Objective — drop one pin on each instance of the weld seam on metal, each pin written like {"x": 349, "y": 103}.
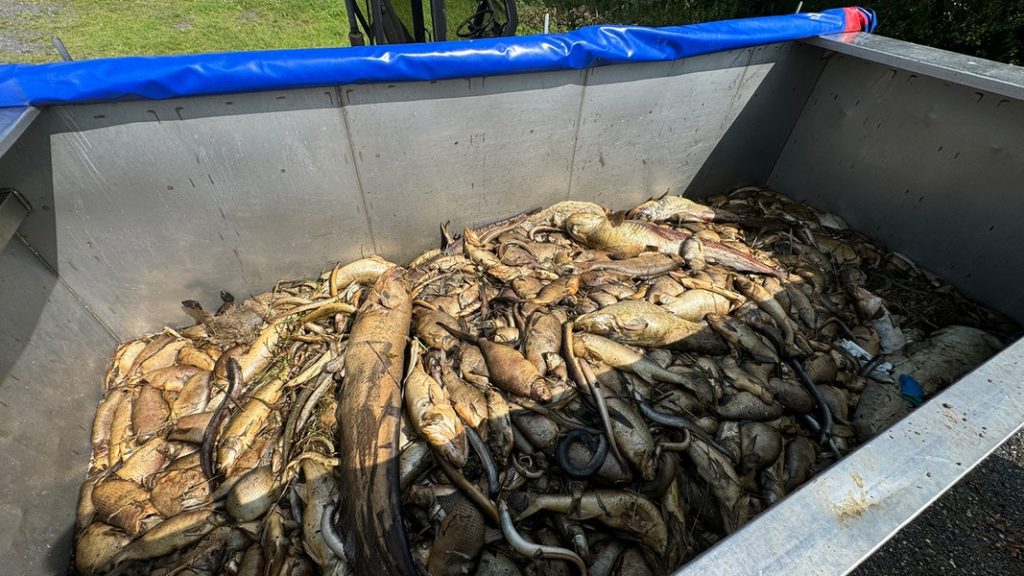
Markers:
{"x": 355, "y": 167}
{"x": 81, "y": 302}
{"x": 796, "y": 120}
{"x": 576, "y": 136}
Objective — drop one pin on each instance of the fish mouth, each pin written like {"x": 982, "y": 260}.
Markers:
{"x": 448, "y": 448}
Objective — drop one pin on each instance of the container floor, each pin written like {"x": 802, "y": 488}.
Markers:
{"x": 977, "y": 528}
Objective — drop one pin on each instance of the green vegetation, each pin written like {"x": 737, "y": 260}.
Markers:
{"x": 992, "y": 29}
{"x": 98, "y": 28}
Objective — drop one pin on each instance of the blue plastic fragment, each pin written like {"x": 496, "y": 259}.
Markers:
{"x": 910, "y": 390}
{"x": 161, "y": 77}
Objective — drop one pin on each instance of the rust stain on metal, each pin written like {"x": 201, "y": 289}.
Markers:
{"x": 951, "y": 419}
{"x": 854, "y": 504}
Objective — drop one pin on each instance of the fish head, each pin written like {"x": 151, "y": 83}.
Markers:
{"x": 645, "y": 211}
{"x": 455, "y": 452}
{"x": 540, "y": 390}
{"x": 446, "y": 434}
{"x": 582, "y": 225}
{"x": 598, "y": 322}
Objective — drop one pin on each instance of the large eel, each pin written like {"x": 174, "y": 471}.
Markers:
{"x": 369, "y": 416}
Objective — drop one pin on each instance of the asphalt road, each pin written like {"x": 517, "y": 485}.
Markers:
{"x": 977, "y": 528}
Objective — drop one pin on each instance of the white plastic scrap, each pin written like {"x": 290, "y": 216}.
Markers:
{"x": 881, "y": 372}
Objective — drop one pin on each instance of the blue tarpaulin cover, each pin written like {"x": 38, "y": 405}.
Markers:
{"x": 160, "y": 77}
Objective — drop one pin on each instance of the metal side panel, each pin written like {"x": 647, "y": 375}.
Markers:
{"x": 157, "y": 202}
{"x": 469, "y": 151}
{"x": 26, "y": 167}
{"x": 840, "y": 517}
{"x": 934, "y": 170}
{"x": 13, "y": 210}
{"x": 14, "y": 122}
{"x": 961, "y": 69}
{"x": 699, "y": 125}
{"x": 52, "y": 358}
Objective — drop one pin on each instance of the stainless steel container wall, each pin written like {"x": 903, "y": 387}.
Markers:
{"x": 138, "y": 205}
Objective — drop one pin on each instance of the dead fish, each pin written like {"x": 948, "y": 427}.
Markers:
{"x": 557, "y": 290}
{"x": 539, "y": 430}
{"x": 243, "y": 427}
{"x": 170, "y": 378}
{"x": 124, "y": 504}
{"x": 368, "y": 449}
{"x": 640, "y": 323}
{"x": 671, "y": 207}
{"x": 768, "y": 302}
{"x": 694, "y": 305}
{"x": 96, "y": 546}
{"x": 192, "y": 356}
{"x": 509, "y": 369}
{"x": 746, "y": 406}
{"x": 253, "y": 494}
{"x": 426, "y": 325}
{"x": 459, "y": 541}
{"x": 693, "y": 254}
{"x": 430, "y": 410}
{"x": 632, "y": 563}
{"x": 473, "y": 366}
{"x": 723, "y": 481}
{"x": 149, "y": 413}
{"x": 154, "y": 345}
{"x": 172, "y": 534}
{"x": 742, "y": 336}
{"x": 124, "y": 359}
{"x": 543, "y": 336}
{"x": 236, "y": 326}
{"x": 193, "y": 397}
{"x": 499, "y": 423}
{"x": 179, "y": 489}
{"x": 146, "y": 460}
{"x": 800, "y": 456}
{"x": 190, "y": 428}
{"x": 363, "y": 271}
{"x": 642, "y": 266}
{"x": 633, "y": 437}
{"x": 616, "y": 509}
{"x": 493, "y": 563}
{"x": 318, "y": 537}
{"x": 103, "y": 425}
{"x": 468, "y": 400}
{"x": 761, "y": 445}
{"x": 771, "y": 482}
{"x": 631, "y": 237}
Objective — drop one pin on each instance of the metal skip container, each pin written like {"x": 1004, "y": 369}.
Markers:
{"x": 129, "y": 184}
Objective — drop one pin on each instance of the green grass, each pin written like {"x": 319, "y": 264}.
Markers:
{"x": 102, "y": 28}
{"x": 98, "y": 28}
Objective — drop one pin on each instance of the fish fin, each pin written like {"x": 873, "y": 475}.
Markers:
{"x": 195, "y": 310}
{"x": 617, "y": 218}
{"x": 667, "y": 190}
{"x": 465, "y": 336}
{"x": 634, "y": 324}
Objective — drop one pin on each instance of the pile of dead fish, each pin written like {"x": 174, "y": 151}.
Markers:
{"x": 568, "y": 391}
